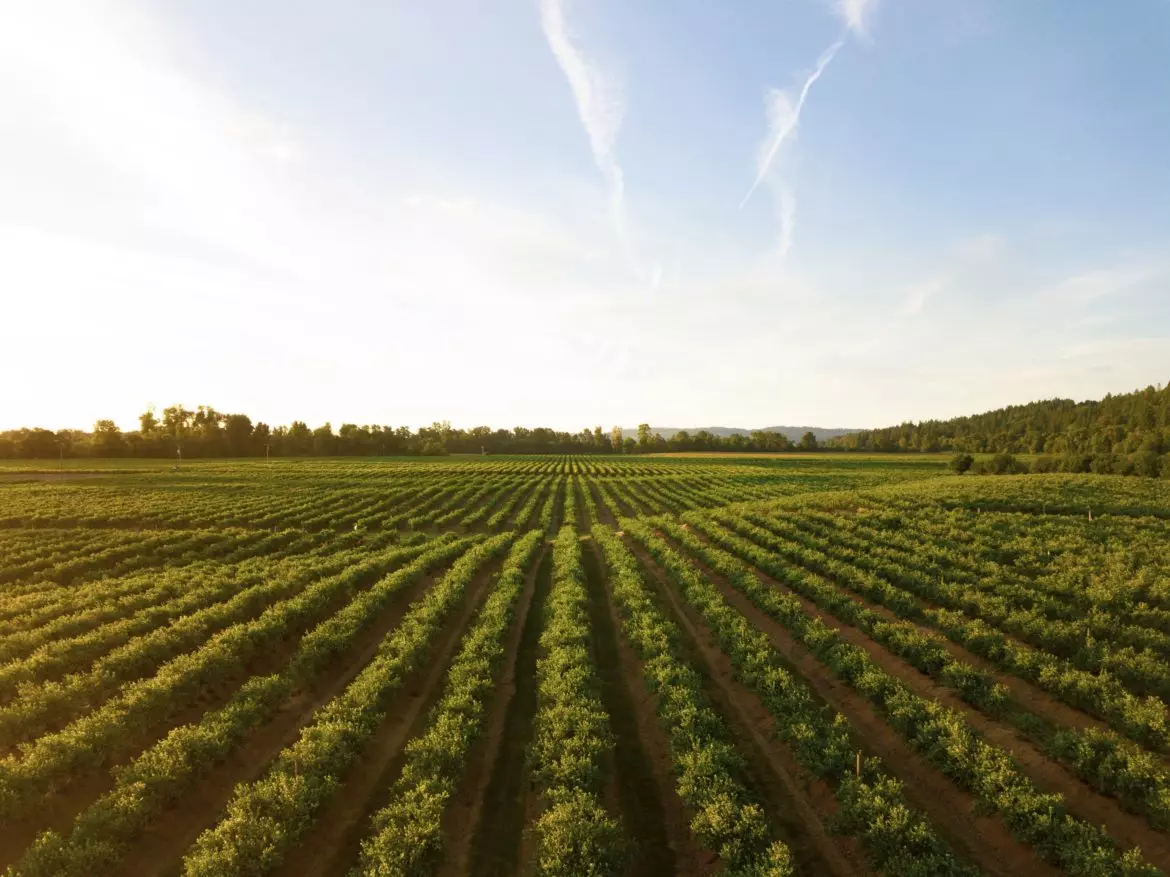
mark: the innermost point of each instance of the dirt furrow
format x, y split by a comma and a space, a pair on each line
603, 510
466, 810
651, 812
496, 836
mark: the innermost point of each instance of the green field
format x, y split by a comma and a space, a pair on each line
810, 664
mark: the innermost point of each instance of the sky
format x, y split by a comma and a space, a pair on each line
567, 213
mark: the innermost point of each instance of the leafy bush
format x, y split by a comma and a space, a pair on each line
960, 463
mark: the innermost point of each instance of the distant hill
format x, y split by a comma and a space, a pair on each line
792, 432
1116, 426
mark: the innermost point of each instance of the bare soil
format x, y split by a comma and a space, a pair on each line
497, 844
466, 810
640, 773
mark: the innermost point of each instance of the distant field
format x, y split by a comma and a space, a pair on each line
693, 664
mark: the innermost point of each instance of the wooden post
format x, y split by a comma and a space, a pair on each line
859, 764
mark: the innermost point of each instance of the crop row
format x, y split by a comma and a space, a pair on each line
405, 836
575, 835
1143, 719
1101, 759
707, 766
266, 817
165, 772
54, 760
870, 803
944, 738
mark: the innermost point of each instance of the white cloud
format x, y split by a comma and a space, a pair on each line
598, 97
981, 248
783, 117
920, 293
1100, 282
969, 254
855, 14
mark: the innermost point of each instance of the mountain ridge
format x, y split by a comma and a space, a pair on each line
792, 432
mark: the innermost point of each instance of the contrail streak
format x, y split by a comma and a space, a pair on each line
785, 126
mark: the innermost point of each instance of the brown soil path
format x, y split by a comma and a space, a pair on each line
495, 847
651, 813
466, 810
603, 510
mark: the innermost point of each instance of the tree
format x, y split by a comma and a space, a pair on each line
107, 439
147, 422
616, 439
1004, 464
298, 438
1146, 463
324, 441
262, 438
177, 422
38, 444
644, 436
808, 441
960, 463
237, 430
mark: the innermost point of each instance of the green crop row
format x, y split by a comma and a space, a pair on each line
575, 835
166, 771
870, 803
57, 759
944, 738
1100, 758
405, 837
266, 817
1143, 719
707, 766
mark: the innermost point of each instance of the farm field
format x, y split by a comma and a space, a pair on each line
799, 664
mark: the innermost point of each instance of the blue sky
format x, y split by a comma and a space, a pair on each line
534, 212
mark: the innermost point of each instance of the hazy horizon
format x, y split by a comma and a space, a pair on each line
575, 212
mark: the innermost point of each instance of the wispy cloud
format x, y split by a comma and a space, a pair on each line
855, 14
598, 98
966, 255
784, 107
1101, 282
784, 116
920, 293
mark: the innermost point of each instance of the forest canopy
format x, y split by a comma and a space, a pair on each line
1128, 427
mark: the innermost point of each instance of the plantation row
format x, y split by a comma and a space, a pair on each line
334, 494
560, 671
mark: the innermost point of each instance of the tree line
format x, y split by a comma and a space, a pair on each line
1121, 425
1122, 434
178, 432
